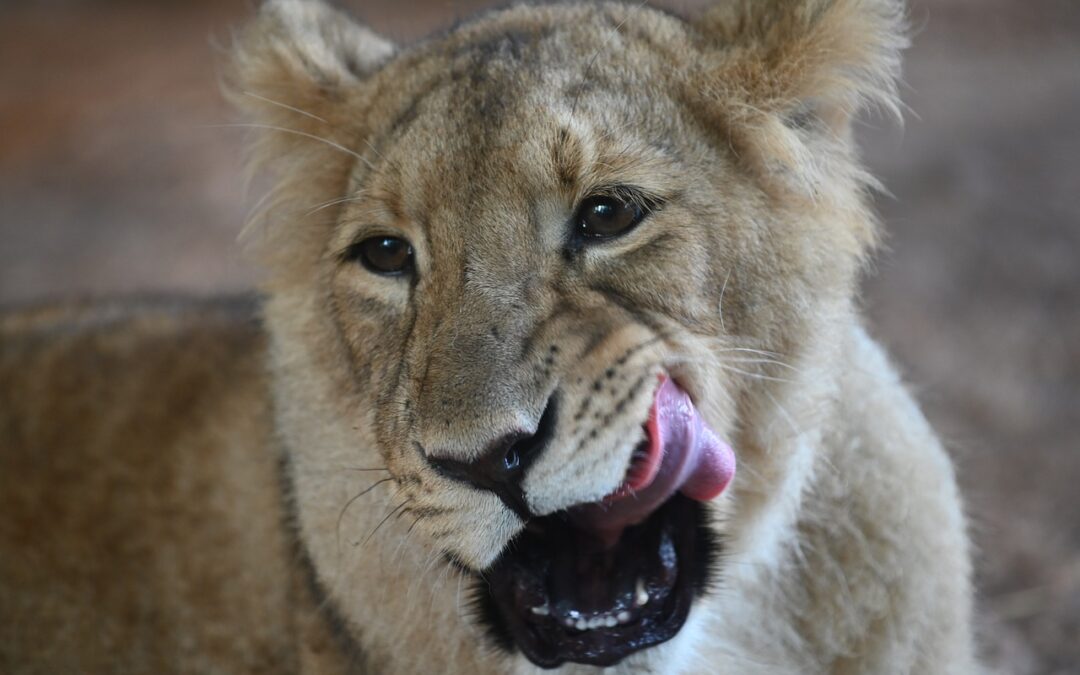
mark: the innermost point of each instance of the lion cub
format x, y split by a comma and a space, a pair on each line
558, 366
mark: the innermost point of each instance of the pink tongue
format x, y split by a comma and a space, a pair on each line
681, 454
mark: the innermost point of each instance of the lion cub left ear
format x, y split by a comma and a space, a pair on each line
298, 63
785, 78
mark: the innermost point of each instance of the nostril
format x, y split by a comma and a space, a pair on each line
511, 460
506, 455
502, 466
527, 448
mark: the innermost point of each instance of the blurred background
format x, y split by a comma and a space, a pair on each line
115, 180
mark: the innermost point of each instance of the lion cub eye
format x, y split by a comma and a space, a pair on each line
602, 217
384, 255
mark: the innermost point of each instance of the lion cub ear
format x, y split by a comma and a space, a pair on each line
301, 59
786, 78
299, 73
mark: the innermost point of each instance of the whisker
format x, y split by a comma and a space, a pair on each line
723, 289
759, 352
285, 106
718, 363
334, 202
785, 414
773, 362
382, 522
756, 376
375, 150
341, 516
295, 132
437, 586
399, 551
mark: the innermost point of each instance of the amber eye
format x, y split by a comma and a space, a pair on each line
602, 216
385, 255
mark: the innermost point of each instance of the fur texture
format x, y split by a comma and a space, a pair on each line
846, 550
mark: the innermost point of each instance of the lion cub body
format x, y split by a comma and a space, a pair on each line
186, 488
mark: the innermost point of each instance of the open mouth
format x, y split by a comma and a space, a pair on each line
601, 581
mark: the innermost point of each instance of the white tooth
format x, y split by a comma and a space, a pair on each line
569, 623
581, 624
624, 616
598, 622
641, 596
540, 611
611, 622
573, 614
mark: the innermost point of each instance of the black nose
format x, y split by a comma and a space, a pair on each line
502, 466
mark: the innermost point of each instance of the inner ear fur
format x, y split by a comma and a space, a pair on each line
297, 73
785, 78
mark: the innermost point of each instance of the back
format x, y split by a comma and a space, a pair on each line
128, 435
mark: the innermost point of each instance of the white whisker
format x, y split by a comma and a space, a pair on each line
720, 308
285, 106
295, 132
334, 202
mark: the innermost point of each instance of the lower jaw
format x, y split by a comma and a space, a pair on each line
528, 601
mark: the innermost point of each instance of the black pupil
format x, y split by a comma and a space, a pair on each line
386, 255
607, 216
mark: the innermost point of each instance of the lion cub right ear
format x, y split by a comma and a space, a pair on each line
299, 62
300, 75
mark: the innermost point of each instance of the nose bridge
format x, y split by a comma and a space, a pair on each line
473, 389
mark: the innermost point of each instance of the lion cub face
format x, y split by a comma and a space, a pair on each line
497, 245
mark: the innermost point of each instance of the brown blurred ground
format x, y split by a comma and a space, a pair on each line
114, 179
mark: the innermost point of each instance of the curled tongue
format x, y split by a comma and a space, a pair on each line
680, 453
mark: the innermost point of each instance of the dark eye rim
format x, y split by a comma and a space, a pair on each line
646, 203
355, 253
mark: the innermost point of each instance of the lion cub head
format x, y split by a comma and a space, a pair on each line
497, 258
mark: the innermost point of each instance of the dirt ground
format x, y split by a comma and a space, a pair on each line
116, 178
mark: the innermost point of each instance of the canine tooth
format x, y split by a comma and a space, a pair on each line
611, 622
582, 624
623, 616
641, 596
540, 611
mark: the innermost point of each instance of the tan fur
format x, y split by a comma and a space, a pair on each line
142, 525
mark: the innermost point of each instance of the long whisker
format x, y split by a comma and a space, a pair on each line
382, 522
773, 362
756, 376
341, 516
334, 202
724, 366
295, 132
748, 350
285, 106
